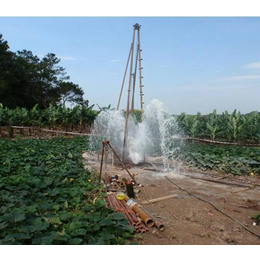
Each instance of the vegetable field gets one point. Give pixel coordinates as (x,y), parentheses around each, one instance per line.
(48,197)
(238,160)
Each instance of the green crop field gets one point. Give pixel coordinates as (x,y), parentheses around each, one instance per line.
(238,160)
(48,197)
(231,127)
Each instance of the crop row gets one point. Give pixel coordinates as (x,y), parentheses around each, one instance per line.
(47,196)
(238,160)
(229,127)
(78,118)
(224,127)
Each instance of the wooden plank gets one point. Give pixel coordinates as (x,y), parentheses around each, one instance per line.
(158,199)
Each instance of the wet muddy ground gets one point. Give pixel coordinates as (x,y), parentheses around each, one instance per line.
(188,220)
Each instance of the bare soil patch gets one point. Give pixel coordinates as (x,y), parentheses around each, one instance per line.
(188,220)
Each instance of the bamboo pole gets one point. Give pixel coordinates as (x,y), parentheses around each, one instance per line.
(102,158)
(134,80)
(105,155)
(128,97)
(140,75)
(120,95)
(158,199)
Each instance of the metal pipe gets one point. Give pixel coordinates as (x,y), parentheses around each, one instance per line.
(123,206)
(138,230)
(159,225)
(115,202)
(111,202)
(146,219)
(129,218)
(134,218)
(130,211)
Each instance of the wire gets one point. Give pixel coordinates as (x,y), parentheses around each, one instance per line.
(235,220)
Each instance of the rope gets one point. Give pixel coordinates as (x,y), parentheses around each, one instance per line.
(51,131)
(219,142)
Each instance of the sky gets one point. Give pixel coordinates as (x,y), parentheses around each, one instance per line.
(191,64)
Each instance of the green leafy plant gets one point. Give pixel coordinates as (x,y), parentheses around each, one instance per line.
(48,197)
(229,159)
(223,127)
(257,218)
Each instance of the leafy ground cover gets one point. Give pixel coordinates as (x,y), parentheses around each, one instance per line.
(238,160)
(48,197)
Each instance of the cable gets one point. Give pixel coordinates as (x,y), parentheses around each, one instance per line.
(235,220)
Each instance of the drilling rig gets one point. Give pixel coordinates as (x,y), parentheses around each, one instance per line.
(134,68)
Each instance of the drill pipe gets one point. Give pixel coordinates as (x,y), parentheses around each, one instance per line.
(146,219)
(119,207)
(138,231)
(111,202)
(157,222)
(115,201)
(144,227)
(128,208)
(133,222)
(159,225)
(141,228)
(129,218)
(131,215)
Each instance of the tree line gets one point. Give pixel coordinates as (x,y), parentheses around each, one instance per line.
(27,80)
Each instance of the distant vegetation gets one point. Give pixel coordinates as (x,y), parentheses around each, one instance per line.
(223,127)
(34,92)
(79,118)
(27,80)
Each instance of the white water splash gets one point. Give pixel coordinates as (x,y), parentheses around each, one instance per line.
(155,136)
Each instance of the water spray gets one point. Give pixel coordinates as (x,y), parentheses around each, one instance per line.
(155,132)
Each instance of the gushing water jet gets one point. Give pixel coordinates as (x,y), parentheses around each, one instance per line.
(156,136)
(153,135)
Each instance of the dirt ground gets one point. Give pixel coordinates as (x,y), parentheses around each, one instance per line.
(188,220)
